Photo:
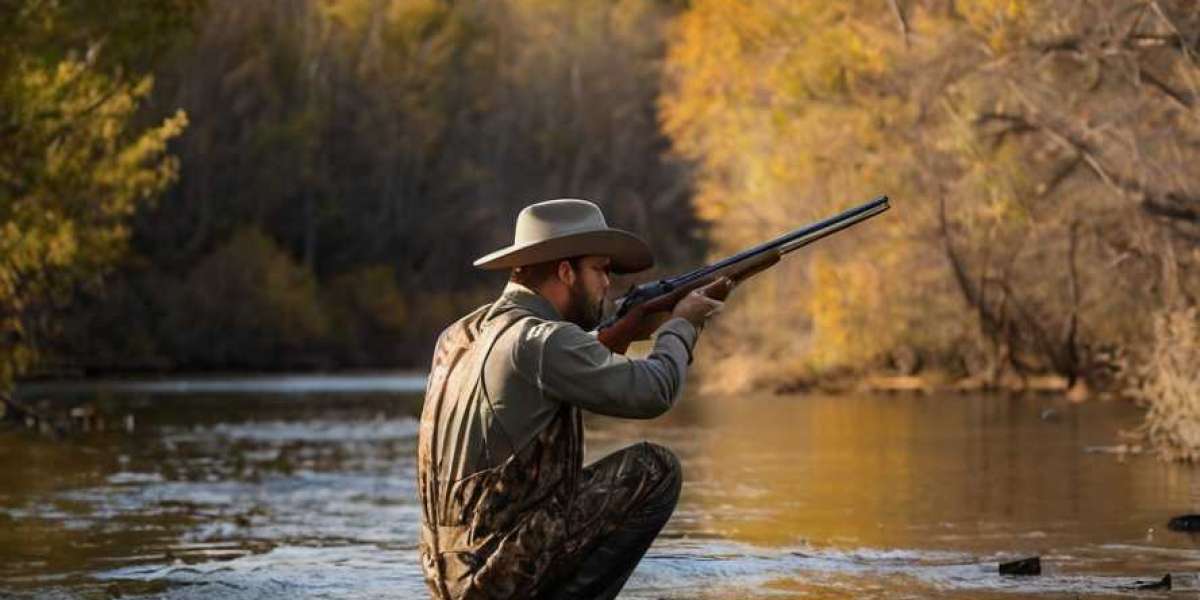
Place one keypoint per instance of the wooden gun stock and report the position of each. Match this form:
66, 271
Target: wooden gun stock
624, 331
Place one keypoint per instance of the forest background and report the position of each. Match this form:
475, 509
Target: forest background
302, 184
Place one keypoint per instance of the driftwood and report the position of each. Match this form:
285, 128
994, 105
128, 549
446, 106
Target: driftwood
1185, 523
1160, 584
1174, 582
1025, 566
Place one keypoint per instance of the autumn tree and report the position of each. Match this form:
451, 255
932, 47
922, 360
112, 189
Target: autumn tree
1037, 153
74, 165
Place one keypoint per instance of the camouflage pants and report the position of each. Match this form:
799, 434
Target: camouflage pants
636, 490
580, 543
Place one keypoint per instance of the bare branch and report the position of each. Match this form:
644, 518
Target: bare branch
1173, 205
1183, 99
1184, 44
902, 20
1060, 175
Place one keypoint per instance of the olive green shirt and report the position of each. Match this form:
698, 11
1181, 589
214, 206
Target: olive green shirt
542, 362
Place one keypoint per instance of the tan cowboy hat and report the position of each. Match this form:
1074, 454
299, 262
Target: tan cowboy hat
564, 228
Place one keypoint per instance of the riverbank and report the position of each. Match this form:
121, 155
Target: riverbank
742, 373
942, 384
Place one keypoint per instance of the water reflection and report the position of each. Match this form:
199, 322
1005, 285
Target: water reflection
282, 496
929, 472
959, 480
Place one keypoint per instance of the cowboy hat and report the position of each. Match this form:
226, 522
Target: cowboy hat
557, 229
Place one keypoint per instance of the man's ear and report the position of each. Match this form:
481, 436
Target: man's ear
566, 273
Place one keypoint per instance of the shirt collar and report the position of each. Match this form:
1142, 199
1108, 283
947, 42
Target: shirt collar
519, 295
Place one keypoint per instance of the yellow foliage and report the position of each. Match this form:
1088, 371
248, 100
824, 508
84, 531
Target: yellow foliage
78, 173
796, 109
761, 93
777, 102
1000, 22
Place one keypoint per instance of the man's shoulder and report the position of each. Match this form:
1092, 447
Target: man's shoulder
554, 337
536, 328
464, 330
526, 340
531, 327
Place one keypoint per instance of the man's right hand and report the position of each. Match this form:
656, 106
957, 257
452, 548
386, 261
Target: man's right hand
698, 306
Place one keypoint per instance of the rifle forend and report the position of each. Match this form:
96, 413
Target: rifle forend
618, 330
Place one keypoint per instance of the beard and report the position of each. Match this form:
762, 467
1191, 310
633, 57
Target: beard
585, 311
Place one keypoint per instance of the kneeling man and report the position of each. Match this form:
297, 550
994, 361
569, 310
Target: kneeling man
508, 509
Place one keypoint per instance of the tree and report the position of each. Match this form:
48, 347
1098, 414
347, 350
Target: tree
399, 134
1037, 153
73, 168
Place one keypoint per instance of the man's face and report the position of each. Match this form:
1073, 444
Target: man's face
589, 290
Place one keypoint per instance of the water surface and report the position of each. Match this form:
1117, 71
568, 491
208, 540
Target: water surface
265, 493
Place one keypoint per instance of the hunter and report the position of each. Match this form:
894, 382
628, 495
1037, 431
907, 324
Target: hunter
508, 509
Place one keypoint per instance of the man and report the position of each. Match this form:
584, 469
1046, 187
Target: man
508, 510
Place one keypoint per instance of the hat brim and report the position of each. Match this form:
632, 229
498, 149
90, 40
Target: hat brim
628, 252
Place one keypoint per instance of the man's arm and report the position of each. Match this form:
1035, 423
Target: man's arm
576, 368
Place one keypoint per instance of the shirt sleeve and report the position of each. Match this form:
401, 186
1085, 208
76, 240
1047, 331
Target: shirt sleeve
576, 368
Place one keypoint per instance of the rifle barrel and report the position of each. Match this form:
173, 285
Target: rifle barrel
796, 239
835, 224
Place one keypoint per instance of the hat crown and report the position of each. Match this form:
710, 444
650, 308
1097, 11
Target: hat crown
557, 229
555, 218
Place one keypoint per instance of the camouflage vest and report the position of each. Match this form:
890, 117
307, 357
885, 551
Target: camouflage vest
492, 534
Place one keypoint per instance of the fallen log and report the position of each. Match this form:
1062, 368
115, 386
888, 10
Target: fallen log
1186, 523
1025, 566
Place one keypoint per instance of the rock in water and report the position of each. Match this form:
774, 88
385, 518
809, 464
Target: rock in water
1161, 584
1024, 566
1189, 523
1175, 582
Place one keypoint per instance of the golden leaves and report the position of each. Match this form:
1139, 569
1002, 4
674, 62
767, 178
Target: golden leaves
1004, 109
74, 173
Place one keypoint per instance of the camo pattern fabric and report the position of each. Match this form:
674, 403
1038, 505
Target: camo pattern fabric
521, 528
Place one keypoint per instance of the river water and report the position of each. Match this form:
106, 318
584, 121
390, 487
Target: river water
304, 488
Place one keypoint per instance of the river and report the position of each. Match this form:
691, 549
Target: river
304, 488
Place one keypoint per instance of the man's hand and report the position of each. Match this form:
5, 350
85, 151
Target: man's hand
698, 306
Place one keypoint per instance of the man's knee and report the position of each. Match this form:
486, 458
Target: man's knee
667, 471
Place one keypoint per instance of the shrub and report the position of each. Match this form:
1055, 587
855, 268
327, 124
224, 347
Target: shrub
369, 315
1170, 385
248, 304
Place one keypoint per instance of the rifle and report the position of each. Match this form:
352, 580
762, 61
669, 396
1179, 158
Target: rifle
618, 331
